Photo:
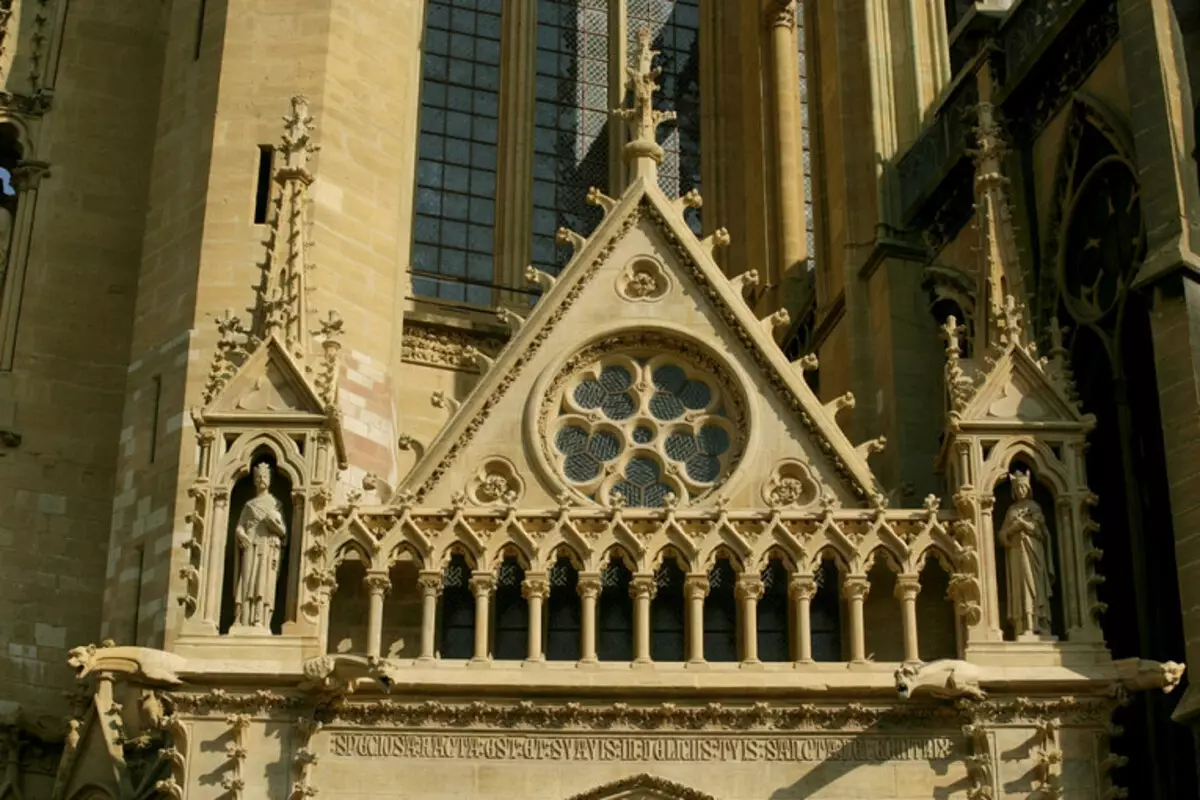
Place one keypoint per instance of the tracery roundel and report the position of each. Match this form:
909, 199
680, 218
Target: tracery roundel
644, 417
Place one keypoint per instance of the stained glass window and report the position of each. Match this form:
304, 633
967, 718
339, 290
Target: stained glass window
571, 122
675, 26
453, 252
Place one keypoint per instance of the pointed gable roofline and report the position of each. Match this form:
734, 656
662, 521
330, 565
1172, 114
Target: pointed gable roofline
641, 200
646, 786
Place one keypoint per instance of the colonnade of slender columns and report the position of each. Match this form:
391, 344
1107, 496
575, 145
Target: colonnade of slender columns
642, 589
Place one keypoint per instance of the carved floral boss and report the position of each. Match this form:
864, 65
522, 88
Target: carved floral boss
640, 427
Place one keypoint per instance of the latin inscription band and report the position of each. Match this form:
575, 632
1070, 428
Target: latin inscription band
616, 747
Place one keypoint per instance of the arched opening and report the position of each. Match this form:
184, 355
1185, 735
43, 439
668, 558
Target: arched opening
667, 629
883, 620
402, 609
773, 613
1028, 573
614, 630
720, 613
10, 157
254, 589
510, 633
563, 612
457, 626
825, 613
348, 606
937, 625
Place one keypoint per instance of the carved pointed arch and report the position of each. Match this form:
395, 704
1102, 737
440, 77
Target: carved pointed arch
885, 555
506, 551
778, 552
671, 551
643, 787
1046, 465
1086, 112
831, 552
621, 552
234, 464
458, 549
405, 547
724, 551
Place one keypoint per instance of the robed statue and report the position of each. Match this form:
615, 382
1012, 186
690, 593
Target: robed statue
1026, 539
260, 534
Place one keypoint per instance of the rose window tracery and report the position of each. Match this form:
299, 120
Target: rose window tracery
642, 418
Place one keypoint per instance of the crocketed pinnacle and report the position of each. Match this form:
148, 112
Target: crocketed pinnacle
643, 150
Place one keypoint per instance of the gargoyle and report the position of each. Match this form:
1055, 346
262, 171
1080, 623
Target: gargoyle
143, 663
1140, 674
346, 674
947, 679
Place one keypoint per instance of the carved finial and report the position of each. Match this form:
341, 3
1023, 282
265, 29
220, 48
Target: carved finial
542, 279
808, 362
744, 281
512, 319
298, 130
872, 446
443, 400
839, 404
568, 236
643, 150
958, 385
1008, 323
691, 199
775, 322
477, 357
718, 238
595, 197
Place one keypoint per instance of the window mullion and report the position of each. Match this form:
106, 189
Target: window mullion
618, 57
514, 188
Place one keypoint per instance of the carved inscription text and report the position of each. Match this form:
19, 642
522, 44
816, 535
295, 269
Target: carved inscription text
617, 747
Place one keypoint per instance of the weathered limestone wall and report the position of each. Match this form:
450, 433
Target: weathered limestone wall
65, 392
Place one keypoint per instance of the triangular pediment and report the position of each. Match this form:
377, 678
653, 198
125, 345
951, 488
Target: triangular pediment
642, 311
270, 382
92, 760
1017, 390
643, 787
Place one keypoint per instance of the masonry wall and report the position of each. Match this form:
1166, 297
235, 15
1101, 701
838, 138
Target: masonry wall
64, 394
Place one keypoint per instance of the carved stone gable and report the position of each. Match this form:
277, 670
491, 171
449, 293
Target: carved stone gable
270, 382
1019, 389
642, 377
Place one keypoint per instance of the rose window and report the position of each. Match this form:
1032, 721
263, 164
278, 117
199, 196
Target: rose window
643, 423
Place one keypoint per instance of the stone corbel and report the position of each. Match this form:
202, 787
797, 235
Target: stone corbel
1143, 674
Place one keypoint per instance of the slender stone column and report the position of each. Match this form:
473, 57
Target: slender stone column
430, 582
749, 592
803, 589
482, 584
589, 590
535, 589
855, 590
642, 589
908, 586
695, 588
793, 236
378, 585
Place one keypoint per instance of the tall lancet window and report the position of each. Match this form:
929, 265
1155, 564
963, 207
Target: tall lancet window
675, 26
571, 122
454, 239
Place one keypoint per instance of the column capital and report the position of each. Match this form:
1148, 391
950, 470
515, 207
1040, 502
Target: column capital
749, 587
482, 583
589, 584
535, 585
377, 583
643, 586
430, 582
28, 174
856, 587
695, 587
908, 586
782, 14
802, 587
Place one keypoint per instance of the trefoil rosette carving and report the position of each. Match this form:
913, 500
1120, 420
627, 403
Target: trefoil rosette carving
643, 416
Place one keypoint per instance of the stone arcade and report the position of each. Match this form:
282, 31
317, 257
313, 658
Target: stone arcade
640, 554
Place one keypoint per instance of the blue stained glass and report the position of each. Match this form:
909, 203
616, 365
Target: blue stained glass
589, 394
703, 469
643, 435
615, 379
695, 395
619, 406
604, 446
571, 440
669, 379
666, 406
641, 472
681, 446
713, 440
581, 467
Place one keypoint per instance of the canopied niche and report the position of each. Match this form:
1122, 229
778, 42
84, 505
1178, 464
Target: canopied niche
1027, 557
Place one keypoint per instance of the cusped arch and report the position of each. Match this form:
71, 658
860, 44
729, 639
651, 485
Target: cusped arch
349, 544
669, 551
406, 547
508, 550
20, 135
235, 462
619, 551
934, 551
778, 552
724, 551
458, 548
1046, 465
831, 552
881, 553
565, 550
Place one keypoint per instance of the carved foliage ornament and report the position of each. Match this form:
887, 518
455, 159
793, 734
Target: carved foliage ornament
639, 418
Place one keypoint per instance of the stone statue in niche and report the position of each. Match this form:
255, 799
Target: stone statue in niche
1026, 540
260, 534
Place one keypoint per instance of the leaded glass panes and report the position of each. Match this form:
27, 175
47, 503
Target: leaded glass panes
675, 27
571, 113
456, 170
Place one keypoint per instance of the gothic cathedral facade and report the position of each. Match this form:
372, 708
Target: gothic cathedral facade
645, 399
